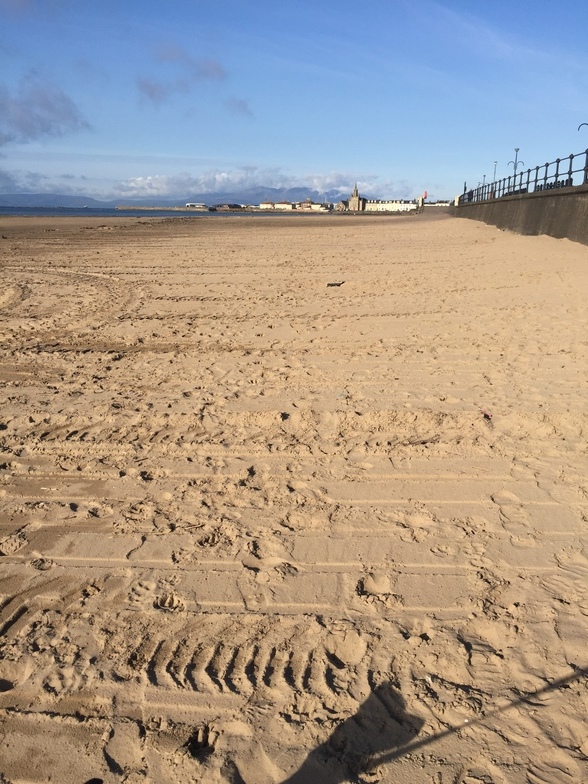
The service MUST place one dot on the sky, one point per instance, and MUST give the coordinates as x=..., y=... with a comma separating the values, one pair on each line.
x=144, y=98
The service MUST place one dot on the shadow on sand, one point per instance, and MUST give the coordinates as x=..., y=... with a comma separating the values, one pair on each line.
x=382, y=731
x=381, y=725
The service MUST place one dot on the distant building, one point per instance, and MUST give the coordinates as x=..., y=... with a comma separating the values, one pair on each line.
x=394, y=205
x=305, y=206
x=312, y=206
x=277, y=205
x=228, y=207
x=356, y=203
x=192, y=205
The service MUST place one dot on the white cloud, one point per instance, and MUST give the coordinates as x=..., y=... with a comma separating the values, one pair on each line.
x=183, y=184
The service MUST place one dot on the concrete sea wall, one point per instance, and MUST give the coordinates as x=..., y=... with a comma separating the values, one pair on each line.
x=559, y=213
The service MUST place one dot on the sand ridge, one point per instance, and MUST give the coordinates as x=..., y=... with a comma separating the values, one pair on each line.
x=257, y=527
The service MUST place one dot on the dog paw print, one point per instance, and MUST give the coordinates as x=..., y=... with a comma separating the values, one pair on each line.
x=141, y=591
x=63, y=681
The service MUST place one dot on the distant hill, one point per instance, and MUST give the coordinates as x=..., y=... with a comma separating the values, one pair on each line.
x=49, y=200
x=263, y=193
x=250, y=196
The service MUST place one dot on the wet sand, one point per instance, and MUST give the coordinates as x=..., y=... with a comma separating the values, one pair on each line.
x=294, y=500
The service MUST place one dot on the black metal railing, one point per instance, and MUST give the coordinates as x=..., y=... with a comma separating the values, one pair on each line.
x=561, y=173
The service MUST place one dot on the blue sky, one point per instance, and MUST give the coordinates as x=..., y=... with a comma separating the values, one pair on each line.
x=129, y=98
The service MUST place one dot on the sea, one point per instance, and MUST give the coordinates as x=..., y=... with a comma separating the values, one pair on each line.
x=87, y=212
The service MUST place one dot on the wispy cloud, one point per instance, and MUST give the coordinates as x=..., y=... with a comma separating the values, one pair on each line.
x=156, y=92
x=93, y=72
x=38, y=109
x=20, y=8
x=470, y=32
x=37, y=182
x=239, y=106
x=8, y=182
x=15, y=6
x=187, y=72
x=196, y=68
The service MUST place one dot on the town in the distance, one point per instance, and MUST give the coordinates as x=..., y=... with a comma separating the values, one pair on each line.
x=355, y=203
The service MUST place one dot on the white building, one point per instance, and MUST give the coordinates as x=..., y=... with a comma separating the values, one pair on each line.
x=312, y=206
x=276, y=205
x=391, y=205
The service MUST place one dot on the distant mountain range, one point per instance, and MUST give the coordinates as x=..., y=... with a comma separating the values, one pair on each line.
x=51, y=200
x=251, y=196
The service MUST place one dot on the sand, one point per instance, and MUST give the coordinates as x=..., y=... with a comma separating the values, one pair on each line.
x=292, y=499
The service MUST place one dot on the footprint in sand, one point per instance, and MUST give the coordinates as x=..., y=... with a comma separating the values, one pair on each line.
x=556, y=767
x=202, y=742
x=169, y=602
x=123, y=751
x=142, y=593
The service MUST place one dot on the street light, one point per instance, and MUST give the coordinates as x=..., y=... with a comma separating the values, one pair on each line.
x=581, y=124
x=484, y=180
x=516, y=163
x=495, y=162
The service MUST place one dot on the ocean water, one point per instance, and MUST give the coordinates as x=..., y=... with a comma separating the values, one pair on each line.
x=85, y=212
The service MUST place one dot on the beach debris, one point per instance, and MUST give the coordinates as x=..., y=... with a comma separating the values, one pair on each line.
x=416, y=441
x=487, y=417
x=336, y=283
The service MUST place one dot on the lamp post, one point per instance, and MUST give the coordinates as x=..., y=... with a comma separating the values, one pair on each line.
x=516, y=163
x=494, y=178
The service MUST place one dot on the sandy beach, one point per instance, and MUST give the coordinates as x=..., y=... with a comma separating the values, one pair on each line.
x=292, y=500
